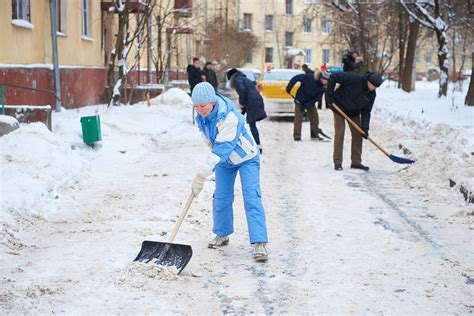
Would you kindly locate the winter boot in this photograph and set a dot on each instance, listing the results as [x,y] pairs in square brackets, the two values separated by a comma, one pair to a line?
[259,252]
[338,167]
[360,166]
[218,242]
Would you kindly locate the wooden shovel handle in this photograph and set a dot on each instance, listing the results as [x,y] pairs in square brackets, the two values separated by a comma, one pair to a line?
[181,217]
[357,127]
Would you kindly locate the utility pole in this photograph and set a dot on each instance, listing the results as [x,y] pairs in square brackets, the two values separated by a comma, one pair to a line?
[54,39]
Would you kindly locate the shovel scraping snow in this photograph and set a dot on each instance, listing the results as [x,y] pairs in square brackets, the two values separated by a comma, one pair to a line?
[168,253]
[393,158]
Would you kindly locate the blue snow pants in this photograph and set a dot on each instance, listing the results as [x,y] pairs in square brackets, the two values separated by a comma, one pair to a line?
[223,215]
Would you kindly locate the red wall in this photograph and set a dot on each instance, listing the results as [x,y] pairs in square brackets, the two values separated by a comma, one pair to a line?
[79,86]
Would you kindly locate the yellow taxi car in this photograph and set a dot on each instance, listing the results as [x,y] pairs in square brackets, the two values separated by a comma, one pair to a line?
[272,86]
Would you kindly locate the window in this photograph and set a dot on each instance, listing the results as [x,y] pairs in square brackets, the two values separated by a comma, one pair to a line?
[288,39]
[61,14]
[85,18]
[326,26]
[325,56]
[289,7]
[21,10]
[269,54]
[248,57]
[428,58]
[268,22]
[308,58]
[247,21]
[307,25]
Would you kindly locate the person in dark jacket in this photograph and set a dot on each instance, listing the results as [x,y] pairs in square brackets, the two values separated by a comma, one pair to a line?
[353,62]
[250,100]
[195,74]
[210,75]
[310,91]
[355,97]
[306,69]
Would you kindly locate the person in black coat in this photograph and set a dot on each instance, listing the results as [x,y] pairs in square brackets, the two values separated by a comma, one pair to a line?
[210,75]
[355,97]
[195,74]
[310,91]
[250,100]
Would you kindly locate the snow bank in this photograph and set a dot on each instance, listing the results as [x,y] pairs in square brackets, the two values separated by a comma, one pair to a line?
[34,162]
[8,120]
[173,96]
[438,131]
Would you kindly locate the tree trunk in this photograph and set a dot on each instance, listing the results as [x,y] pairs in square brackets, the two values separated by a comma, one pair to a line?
[122,20]
[443,63]
[401,43]
[470,92]
[407,78]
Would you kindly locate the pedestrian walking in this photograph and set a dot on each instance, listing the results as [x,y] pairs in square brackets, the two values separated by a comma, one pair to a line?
[310,91]
[195,74]
[210,75]
[250,100]
[232,150]
[355,97]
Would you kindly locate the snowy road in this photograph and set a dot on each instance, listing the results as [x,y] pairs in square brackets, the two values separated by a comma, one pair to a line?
[340,242]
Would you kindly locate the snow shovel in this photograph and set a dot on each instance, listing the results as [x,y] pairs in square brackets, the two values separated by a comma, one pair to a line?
[396,159]
[320,130]
[167,253]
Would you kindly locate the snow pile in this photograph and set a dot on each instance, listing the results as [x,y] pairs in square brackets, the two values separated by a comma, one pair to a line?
[173,96]
[34,161]
[438,131]
[8,120]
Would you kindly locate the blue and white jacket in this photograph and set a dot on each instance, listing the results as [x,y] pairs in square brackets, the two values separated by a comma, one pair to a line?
[224,130]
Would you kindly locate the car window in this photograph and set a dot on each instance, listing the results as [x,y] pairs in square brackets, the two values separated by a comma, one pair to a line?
[280,75]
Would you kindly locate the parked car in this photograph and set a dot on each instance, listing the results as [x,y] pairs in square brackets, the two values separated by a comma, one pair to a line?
[272,86]
[251,73]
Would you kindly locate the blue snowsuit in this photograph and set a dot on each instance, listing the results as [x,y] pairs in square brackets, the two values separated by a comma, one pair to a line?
[233,149]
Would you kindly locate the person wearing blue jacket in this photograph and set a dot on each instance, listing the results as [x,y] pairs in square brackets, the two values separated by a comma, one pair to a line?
[233,150]
[250,100]
[310,91]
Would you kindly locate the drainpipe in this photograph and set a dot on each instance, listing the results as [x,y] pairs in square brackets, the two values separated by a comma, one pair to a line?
[54,39]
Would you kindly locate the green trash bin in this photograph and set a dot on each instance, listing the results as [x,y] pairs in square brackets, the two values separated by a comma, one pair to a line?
[91,129]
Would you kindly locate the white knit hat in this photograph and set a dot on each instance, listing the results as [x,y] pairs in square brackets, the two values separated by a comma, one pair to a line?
[204,93]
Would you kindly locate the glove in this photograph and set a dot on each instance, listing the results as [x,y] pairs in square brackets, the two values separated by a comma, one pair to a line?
[198,183]
[366,133]
[329,106]
[243,111]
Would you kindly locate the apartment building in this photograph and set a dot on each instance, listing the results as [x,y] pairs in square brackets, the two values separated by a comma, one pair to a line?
[86,35]
[292,33]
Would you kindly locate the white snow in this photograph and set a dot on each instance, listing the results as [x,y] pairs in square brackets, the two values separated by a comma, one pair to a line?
[23,23]
[9,120]
[394,240]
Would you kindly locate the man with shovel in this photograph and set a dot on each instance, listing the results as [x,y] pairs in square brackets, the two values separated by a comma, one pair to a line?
[233,150]
[355,97]
[310,92]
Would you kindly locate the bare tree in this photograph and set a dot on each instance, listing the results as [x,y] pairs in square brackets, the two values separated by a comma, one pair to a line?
[227,44]
[469,100]
[407,78]
[368,26]
[126,37]
[431,14]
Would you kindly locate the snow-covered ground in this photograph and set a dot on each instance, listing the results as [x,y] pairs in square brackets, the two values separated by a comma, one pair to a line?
[395,240]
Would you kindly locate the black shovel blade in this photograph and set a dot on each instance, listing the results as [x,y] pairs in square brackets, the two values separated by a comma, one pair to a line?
[401,160]
[166,254]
